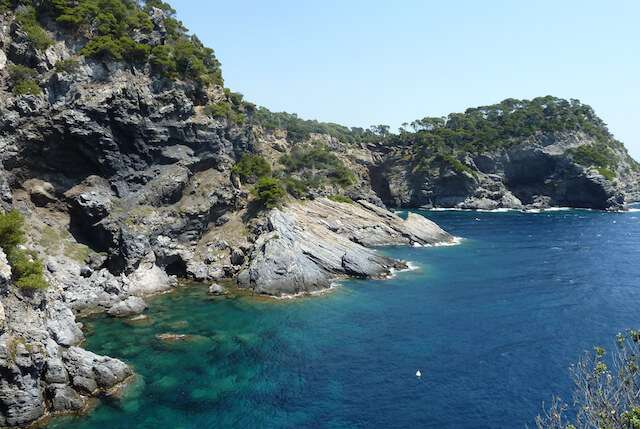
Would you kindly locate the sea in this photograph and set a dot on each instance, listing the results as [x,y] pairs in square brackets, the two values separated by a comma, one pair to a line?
[492,324]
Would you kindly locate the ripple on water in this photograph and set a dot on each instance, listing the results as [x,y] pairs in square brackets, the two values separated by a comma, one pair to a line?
[493,324]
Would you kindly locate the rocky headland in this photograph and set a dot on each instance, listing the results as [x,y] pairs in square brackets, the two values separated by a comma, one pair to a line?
[132,167]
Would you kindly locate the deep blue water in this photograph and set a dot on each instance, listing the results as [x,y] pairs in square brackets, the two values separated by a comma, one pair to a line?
[492,323]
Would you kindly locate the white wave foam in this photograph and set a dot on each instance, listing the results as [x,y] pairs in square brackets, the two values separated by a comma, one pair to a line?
[332,287]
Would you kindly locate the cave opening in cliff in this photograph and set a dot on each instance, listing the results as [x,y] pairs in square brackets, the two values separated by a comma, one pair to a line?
[177,267]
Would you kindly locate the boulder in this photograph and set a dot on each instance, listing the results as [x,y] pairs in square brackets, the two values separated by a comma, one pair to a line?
[129,307]
[216,289]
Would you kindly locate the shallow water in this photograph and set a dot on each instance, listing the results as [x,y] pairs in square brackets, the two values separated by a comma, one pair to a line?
[492,323]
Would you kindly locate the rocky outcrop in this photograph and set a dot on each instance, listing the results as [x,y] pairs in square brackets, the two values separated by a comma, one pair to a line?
[536,173]
[126,184]
[42,372]
[306,246]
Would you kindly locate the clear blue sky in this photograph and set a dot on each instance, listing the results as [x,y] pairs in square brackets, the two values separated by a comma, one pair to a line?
[360,63]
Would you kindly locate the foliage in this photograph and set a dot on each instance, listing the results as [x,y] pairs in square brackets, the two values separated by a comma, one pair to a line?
[27,269]
[11,230]
[112,24]
[225,110]
[295,187]
[340,199]
[606,173]
[607,390]
[299,130]
[250,168]
[23,79]
[69,65]
[316,164]
[269,192]
[27,18]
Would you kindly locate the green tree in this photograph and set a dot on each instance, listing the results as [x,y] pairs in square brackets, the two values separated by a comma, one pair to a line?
[269,192]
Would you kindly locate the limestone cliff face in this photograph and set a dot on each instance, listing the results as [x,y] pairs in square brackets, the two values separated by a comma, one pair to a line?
[538,172]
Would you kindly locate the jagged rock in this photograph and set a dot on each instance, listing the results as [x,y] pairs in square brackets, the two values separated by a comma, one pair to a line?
[149,278]
[310,244]
[90,372]
[5,269]
[64,398]
[62,326]
[129,307]
[56,373]
[216,289]
[237,257]
[41,192]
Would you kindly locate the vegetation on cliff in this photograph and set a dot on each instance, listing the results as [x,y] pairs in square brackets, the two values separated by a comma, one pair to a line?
[606,390]
[27,269]
[121,30]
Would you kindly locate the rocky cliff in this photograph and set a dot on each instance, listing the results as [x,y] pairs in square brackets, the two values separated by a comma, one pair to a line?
[133,166]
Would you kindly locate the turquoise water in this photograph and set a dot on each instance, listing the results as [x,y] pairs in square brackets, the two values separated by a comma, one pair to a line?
[493,324]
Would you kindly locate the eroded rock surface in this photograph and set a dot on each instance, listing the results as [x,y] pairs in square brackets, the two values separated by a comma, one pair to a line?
[308,245]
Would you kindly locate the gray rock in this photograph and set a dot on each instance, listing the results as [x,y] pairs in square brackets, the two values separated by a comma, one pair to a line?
[216,289]
[129,307]
[311,244]
[237,257]
[63,398]
[5,270]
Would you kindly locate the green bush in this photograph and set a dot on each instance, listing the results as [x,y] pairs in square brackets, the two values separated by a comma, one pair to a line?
[104,47]
[269,192]
[28,21]
[67,66]
[23,79]
[316,165]
[593,155]
[113,24]
[340,199]
[25,87]
[27,269]
[606,173]
[251,168]
[11,230]
[296,188]
[225,110]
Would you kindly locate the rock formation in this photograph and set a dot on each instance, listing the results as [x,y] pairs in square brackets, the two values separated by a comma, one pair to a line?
[127,176]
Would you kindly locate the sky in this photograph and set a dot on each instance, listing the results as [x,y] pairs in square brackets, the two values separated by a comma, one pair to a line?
[360,63]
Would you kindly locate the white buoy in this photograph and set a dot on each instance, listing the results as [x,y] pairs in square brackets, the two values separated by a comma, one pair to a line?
[418,374]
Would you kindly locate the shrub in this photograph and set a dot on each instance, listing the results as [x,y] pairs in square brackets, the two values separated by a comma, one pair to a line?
[24,80]
[27,269]
[11,233]
[596,155]
[296,188]
[113,24]
[67,66]
[28,21]
[225,110]
[25,87]
[315,165]
[269,192]
[606,173]
[340,199]
[606,389]
[251,168]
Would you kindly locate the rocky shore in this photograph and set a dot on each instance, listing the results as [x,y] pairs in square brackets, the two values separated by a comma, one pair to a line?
[128,179]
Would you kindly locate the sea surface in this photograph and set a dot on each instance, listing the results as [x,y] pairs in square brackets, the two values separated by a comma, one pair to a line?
[492,324]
